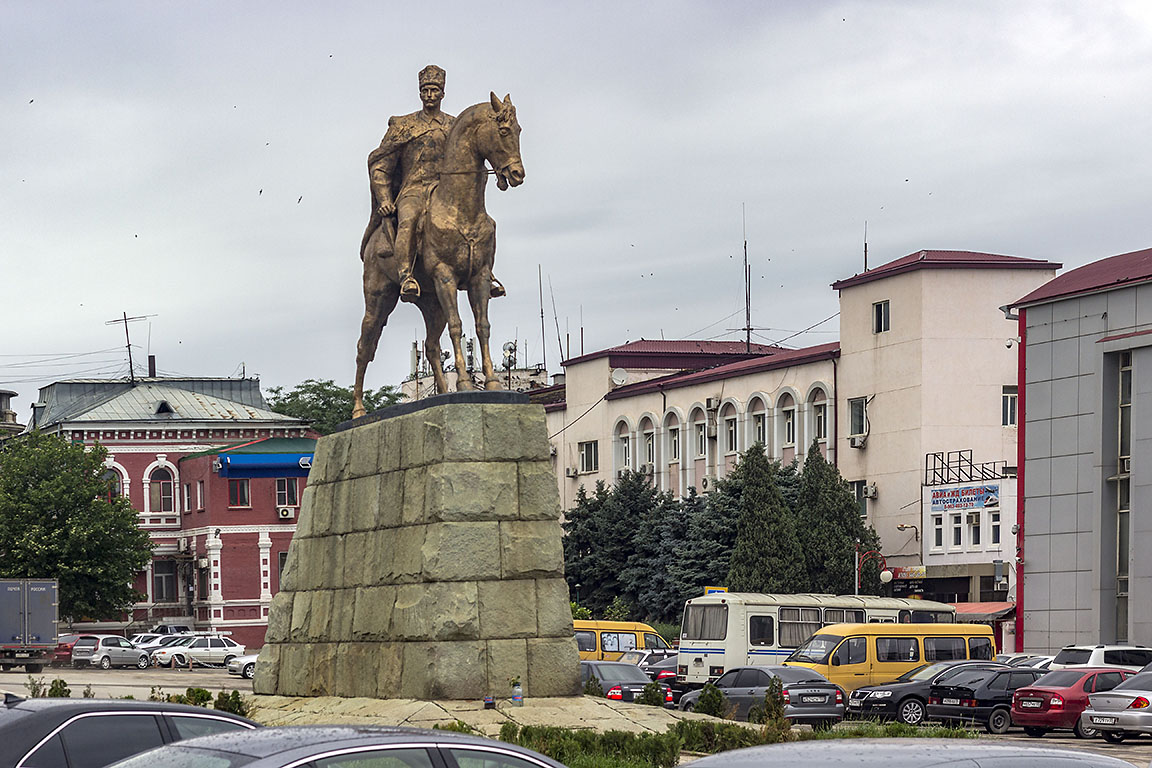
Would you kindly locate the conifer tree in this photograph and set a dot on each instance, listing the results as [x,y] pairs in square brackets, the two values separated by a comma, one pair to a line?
[705,551]
[581,538]
[767,556]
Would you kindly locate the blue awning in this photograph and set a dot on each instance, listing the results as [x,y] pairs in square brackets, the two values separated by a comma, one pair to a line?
[265,464]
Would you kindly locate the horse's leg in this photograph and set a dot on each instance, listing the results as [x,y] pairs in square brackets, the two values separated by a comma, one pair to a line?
[479,292]
[380,297]
[445,284]
[434,323]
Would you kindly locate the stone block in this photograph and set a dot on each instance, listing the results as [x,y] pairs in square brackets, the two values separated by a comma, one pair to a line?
[337,466]
[364,450]
[389,668]
[461,552]
[358,560]
[318,474]
[415,481]
[434,437]
[412,439]
[356,669]
[341,515]
[372,613]
[408,550]
[445,670]
[304,515]
[553,667]
[267,670]
[279,618]
[553,609]
[322,677]
[363,503]
[343,613]
[436,611]
[290,578]
[507,608]
[330,550]
[320,512]
[378,565]
[301,617]
[390,435]
[389,510]
[514,433]
[507,659]
[472,490]
[320,616]
[539,498]
[530,549]
[463,433]
[294,670]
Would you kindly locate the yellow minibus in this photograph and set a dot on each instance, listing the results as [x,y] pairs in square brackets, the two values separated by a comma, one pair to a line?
[608,640]
[855,655]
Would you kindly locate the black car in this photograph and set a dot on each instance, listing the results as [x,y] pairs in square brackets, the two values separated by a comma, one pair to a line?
[344,746]
[665,672]
[906,698]
[981,696]
[808,696]
[91,733]
[624,682]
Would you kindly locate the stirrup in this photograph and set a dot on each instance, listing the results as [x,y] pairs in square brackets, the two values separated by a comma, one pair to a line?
[497,289]
[410,288]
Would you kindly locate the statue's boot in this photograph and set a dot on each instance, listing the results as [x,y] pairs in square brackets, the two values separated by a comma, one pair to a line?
[497,289]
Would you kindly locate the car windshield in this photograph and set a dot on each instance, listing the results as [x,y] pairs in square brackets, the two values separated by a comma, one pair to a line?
[624,673]
[1073,656]
[86,641]
[1061,678]
[922,672]
[168,640]
[816,650]
[181,641]
[1140,682]
[970,676]
[632,657]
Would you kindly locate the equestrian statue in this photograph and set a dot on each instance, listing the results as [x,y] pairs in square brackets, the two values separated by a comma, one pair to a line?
[428,234]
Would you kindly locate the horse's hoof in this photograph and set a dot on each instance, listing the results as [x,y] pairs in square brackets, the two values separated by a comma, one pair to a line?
[493,385]
[358,412]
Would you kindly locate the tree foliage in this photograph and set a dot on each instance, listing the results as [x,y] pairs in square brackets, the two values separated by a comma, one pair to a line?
[767,556]
[326,404]
[57,521]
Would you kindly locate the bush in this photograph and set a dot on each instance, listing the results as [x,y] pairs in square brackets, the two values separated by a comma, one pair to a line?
[711,702]
[59,690]
[869,729]
[231,702]
[590,749]
[618,610]
[653,695]
[579,612]
[593,688]
[35,686]
[770,712]
[708,736]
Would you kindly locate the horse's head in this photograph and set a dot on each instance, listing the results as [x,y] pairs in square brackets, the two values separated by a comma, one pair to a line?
[502,144]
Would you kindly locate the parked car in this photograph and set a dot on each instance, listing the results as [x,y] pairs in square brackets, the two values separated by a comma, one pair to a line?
[906,699]
[644,658]
[144,638]
[905,753]
[982,696]
[1036,662]
[808,696]
[624,682]
[1124,711]
[62,656]
[316,745]
[107,651]
[1055,701]
[171,629]
[665,672]
[159,642]
[200,649]
[97,732]
[1012,659]
[1130,657]
[245,666]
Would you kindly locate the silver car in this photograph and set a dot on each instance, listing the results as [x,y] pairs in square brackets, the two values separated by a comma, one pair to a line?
[1126,710]
[245,666]
[808,696]
[107,651]
[201,649]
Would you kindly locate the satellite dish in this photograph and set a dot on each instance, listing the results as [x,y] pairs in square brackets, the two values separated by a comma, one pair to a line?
[509,346]
[619,377]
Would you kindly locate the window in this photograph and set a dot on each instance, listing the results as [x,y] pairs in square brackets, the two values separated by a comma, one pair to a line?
[470,758]
[994,524]
[897,649]
[974,531]
[589,456]
[88,746]
[760,428]
[238,493]
[820,421]
[656,642]
[705,622]
[202,583]
[957,531]
[650,447]
[586,641]
[790,426]
[1123,494]
[881,320]
[200,494]
[625,451]
[617,641]
[282,560]
[943,648]
[412,757]
[730,444]
[857,487]
[844,616]
[857,416]
[938,531]
[187,497]
[164,581]
[797,625]
[1008,406]
[161,493]
[674,443]
[701,439]
[115,488]
[854,650]
[980,648]
[760,630]
[286,492]
[189,727]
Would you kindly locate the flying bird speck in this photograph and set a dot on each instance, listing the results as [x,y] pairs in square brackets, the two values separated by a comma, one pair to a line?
[260,192]
[31,100]
[299,199]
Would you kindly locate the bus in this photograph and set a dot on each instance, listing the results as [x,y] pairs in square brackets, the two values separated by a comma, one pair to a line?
[732,629]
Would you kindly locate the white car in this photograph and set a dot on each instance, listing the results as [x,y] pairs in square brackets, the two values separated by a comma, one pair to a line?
[200,649]
[1130,657]
[245,666]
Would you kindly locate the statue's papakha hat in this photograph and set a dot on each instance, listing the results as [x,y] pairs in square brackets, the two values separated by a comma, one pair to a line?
[431,75]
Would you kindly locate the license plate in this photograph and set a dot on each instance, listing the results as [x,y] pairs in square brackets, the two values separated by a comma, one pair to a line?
[813,699]
[23,655]
[1030,703]
[855,703]
[1103,720]
[950,701]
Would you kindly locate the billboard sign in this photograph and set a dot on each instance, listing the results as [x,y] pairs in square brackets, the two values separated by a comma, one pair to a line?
[966,497]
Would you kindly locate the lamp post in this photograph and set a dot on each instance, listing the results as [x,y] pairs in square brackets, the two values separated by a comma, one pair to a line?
[863,558]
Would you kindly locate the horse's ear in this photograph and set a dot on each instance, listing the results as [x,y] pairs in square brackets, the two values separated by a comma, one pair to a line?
[508,99]
[495,101]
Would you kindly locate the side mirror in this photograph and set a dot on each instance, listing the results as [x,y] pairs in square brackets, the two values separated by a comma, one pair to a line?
[836,661]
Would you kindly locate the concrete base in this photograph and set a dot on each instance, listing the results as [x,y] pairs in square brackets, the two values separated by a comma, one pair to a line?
[427,561]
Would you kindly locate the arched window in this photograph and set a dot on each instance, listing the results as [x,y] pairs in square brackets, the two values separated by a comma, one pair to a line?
[647,442]
[729,429]
[623,447]
[160,491]
[819,414]
[115,483]
[787,421]
[759,423]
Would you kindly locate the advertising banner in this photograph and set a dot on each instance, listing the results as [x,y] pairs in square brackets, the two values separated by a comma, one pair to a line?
[966,497]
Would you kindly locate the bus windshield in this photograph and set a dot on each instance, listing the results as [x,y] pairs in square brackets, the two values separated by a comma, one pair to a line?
[816,650]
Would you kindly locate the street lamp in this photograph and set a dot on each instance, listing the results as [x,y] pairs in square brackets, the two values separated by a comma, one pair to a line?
[863,558]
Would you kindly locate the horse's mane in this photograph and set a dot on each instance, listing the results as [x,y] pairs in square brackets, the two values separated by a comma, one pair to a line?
[467,118]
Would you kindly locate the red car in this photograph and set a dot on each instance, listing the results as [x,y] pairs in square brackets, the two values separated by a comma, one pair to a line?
[1055,701]
[62,656]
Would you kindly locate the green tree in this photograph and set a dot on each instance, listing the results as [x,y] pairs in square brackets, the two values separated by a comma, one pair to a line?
[644,578]
[57,521]
[767,556]
[704,555]
[325,403]
[830,527]
[582,560]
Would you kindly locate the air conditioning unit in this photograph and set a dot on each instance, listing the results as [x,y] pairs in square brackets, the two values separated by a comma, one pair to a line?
[712,404]
[285,513]
[202,562]
[620,472]
[571,472]
[708,482]
[551,450]
[183,544]
[870,491]
[647,469]
[972,518]
[857,441]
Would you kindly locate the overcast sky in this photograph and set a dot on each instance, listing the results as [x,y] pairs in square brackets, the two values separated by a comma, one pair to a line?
[204,163]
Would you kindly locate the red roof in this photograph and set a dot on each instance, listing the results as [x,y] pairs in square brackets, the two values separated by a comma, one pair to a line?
[778,358]
[674,354]
[944,260]
[1125,269]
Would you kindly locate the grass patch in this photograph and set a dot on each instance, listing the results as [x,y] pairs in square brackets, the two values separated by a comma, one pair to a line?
[588,749]
[872,729]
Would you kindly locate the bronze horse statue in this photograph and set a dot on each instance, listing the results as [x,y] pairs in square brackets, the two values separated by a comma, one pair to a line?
[456,246]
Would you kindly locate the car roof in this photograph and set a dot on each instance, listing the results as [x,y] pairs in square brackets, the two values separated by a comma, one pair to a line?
[266,742]
[70,706]
[902,753]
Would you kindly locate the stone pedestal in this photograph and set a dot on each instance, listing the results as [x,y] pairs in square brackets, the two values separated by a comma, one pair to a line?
[427,561]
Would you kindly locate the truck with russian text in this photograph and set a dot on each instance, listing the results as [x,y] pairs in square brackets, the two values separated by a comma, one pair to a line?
[29,612]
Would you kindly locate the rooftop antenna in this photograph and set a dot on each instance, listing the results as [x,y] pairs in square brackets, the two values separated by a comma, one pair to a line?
[556,317]
[543,334]
[128,340]
[747,285]
[865,245]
